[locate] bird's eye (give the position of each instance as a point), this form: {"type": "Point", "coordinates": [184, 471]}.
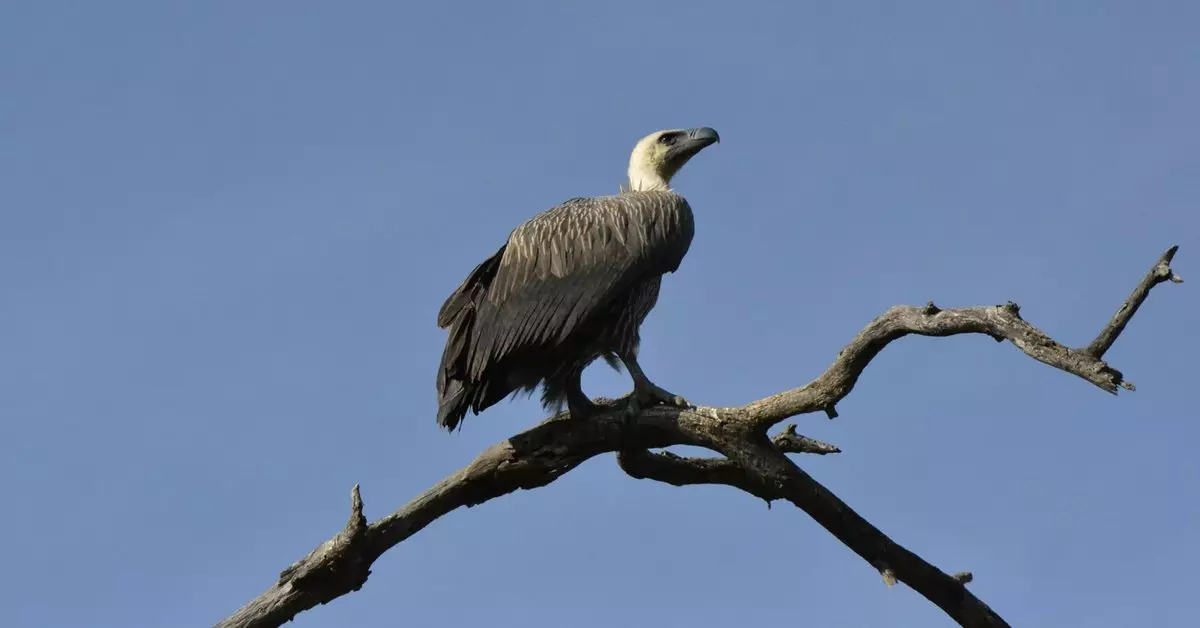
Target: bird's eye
{"type": "Point", "coordinates": [666, 139]}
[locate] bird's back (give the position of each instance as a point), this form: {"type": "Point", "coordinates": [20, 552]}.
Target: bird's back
{"type": "Point", "coordinates": [634, 231]}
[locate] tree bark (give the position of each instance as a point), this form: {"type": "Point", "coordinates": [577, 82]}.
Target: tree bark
{"type": "Point", "coordinates": [749, 460]}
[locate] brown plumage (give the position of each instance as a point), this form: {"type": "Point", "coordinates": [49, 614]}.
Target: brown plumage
{"type": "Point", "coordinates": [572, 284]}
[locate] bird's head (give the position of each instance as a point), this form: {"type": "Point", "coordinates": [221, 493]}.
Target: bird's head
{"type": "Point", "coordinates": [659, 156]}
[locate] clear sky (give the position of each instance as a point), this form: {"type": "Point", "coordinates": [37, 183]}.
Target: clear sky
{"type": "Point", "coordinates": [226, 229]}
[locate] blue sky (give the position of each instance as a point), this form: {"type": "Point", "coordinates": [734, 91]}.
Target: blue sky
{"type": "Point", "coordinates": [226, 229]}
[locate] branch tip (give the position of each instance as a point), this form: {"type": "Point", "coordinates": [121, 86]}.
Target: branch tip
{"type": "Point", "coordinates": [357, 520]}
{"type": "Point", "coordinates": [1160, 272]}
{"type": "Point", "coordinates": [831, 412]}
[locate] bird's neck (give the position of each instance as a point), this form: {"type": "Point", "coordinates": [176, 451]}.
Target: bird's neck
{"type": "Point", "coordinates": [646, 179]}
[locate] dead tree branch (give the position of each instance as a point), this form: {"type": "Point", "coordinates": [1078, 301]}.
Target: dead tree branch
{"type": "Point", "coordinates": [749, 460]}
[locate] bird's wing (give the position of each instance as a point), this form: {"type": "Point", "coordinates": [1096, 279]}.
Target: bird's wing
{"type": "Point", "coordinates": [565, 263]}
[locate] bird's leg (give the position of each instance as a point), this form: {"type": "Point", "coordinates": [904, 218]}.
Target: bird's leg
{"type": "Point", "coordinates": [645, 392]}
{"type": "Point", "coordinates": [578, 403]}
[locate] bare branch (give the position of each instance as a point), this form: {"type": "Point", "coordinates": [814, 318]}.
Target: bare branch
{"type": "Point", "coordinates": [770, 467]}
{"type": "Point", "coordinates": [759, 467]}
{"type": "Point", "coordinates": [752, 462]}
{"type": "Point", "coordinates": [1160, 272]}
{"type": "Point", "coordinates": [528, 460]}
{"type": "Point", "coordinates": [1002, 322]}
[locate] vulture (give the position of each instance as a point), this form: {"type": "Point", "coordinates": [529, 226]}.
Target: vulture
{"type": "Point", "coordinates": [570, 285]}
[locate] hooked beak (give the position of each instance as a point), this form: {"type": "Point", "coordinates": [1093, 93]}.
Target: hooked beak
{"type": "Point", "coordinates": [703, 136]}
{"type": "Point", "coordinates": [692, 142]}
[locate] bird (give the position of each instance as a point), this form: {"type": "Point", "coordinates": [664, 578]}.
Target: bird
{"type": "Point", "coordinates": [570, 285]}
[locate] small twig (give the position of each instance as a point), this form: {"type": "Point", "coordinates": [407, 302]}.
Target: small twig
{"type": "Point", "coordinates": [788, 441]}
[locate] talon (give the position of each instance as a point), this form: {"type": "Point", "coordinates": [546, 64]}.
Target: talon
{"type": "Point", "coordinates": [646, 392]}
{"type": "Point", "coordinates": [654, 395]}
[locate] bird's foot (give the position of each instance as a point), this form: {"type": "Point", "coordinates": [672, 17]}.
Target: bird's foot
{"type": "Point", "coordinates": [651, 394]}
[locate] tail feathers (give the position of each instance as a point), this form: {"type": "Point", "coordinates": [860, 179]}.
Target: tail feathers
{"type": "Point", "coordinates": [458, 392]}
{"type": "Point", "coordinates": [454, 394]}
{"type": "Point", "coordinates": [457, 395]}
{"type": "Point", "coordinates": [453, 404]}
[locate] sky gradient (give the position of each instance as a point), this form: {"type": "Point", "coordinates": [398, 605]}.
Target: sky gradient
{"type": "Point", "coordinates": [226, 229]}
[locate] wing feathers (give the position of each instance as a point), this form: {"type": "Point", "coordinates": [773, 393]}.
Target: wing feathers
{"type": "Point", "coordinates": [476, 282]}
{"type": "Point", "coordinates": [564, 265]}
